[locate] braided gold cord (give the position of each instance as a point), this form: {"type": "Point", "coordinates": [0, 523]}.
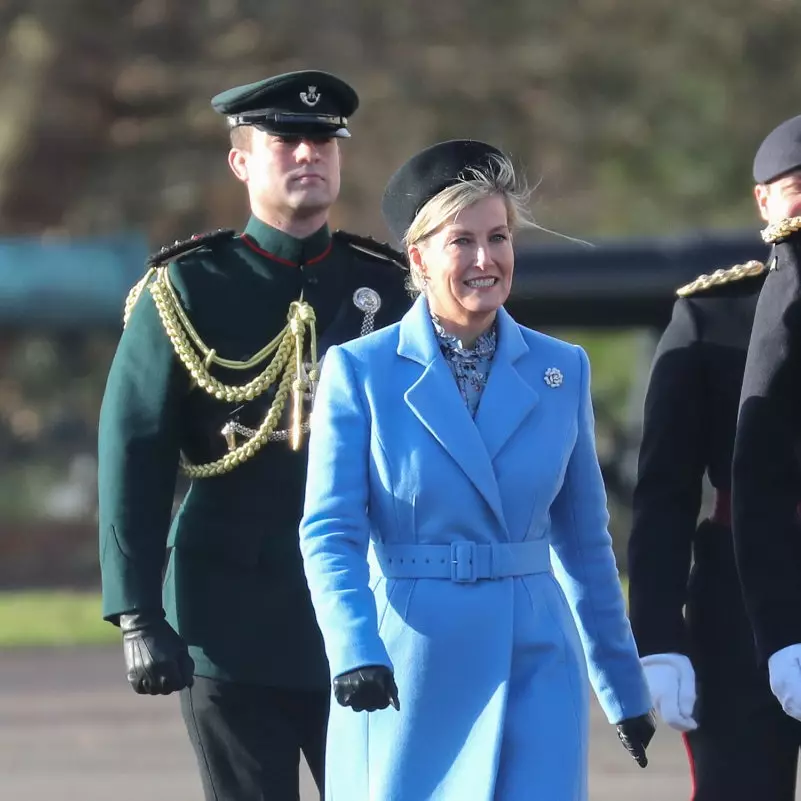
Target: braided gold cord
{"type": "Point", "coordinates": [134, 295]}
{"type": "Point", "coordinates": [286, 365]}
{"type": "Point", "coordinates": [719, 277]}
{"type": "Point", "coordinates": [248, 449]}
{"type": "Point", "coordinates": [211, 355]}
{"type": "Point", "coordinates": [781, 230]}
{"type": "Point", "coordinates": [200, 371]}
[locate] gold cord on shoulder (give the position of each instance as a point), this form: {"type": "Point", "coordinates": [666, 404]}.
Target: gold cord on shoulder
{"type": "Point", "coordinates": [720, 277]}
{"type": "Point", "coordinates": [781, 230]}
{"type": "Point", "coordinates": [285, 367]}
{"type": "Point", "coordinates": [134, 295]}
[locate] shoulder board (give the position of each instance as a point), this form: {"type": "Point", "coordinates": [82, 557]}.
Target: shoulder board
{"type": "Point", "coordinates": [372, 247]}
{"type": "Point", "coordinates": [180, 247]}
{"type": "Point", "coordinates": [782, 230]}
{"type": "Point", "coordinates": [721, 277]}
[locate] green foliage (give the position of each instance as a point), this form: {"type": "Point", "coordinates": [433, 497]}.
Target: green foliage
{"type": "Point", "coordinates": [634, 118]}
{"type": "Point", "coordinates": [53, 618]}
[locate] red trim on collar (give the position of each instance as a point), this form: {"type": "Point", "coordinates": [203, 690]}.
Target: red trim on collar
{"type": "Point", "coordinates": [254, 247]}
{"type": "Point", "coordinates": [323, 254]}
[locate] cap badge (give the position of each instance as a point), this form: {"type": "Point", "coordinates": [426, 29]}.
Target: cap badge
{"type": "Point", "coordinates": [312, 97]}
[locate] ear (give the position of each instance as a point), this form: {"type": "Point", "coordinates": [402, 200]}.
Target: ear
{"type": "Point", "coordinates": [761, 192]}
{"type": "Point", "coordinates": [416, 262]}
{"type": "Point", "coordinates": [237, 161]}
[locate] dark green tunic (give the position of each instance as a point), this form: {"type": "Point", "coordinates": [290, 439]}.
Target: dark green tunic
{"type": "Point", "coordinates": [234, 586]}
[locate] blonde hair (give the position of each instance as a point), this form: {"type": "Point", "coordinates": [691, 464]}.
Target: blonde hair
{"type": "Point", "coordinates": [474, 184]}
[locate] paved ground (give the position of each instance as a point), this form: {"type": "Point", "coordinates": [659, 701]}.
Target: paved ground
{"type": "Point", "coordinates": [71, 730]}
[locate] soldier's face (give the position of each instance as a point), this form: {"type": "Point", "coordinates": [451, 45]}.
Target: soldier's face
{"type": "Point", "coordinates": [779, 199]}
{"type": "Point", "coordinates": [289, 176]}
{"type": "Point", "coordinates": [468, 263]}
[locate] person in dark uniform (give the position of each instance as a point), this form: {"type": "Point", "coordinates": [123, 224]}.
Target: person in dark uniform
{"type": "Point", "coordinates": [766, 475]}
{"type": "Point", "coordinates": [686, 606]}
{"type": "Point", "coordinates": [214, 376]}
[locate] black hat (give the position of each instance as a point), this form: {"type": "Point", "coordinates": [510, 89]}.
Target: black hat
{"type": "Point", "coordinates": [296, 103]}
{"type": "Point", "coordinates": [427, 174]}
{"type": "Point", "coordinates": [780, 153]}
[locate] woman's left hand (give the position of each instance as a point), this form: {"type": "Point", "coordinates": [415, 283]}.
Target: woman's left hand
{"type": "Point", "coordinates": [367, 689]}
{"type": "Point", "coordinates": [635, 734]}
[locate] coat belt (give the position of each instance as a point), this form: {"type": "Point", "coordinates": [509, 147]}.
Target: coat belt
{"type": "Point", "coordinates": [463, 562]}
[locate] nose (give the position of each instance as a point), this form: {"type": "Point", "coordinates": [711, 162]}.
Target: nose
{"type": "Point", "coordinates": [306, 151]}
{"type": "Point", "coordinates": [483, 258]}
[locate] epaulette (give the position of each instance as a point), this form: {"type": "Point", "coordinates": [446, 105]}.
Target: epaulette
{"type": "Point", "coordinates": [178, 248]}
{"type": "Point", "coordinates": [372, 247]}
{"type": "Point", "coordinates": [182, 246]}
{"type": "Point", "coordinates": [720, 277]}
{"type": "Point", "coordinates": [781, 230]}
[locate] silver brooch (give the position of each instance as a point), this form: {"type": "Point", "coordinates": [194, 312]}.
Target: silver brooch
{"type": "Point", "coordinates": [553, 377]}
{"type": "Point", "coordinates": [368, 301]}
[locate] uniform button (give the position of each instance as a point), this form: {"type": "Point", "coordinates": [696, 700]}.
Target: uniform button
{"type": "Point", "coordinates": [311, 280]}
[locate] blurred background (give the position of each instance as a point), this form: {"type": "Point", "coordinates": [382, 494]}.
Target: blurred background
{"type": "Point", "coordinates": [636, 122]}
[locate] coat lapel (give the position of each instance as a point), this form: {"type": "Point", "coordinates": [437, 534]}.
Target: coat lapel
{"type": "Point", "coordinates": [507, 398]}
{"type": "Point", "coordinates": [435, 400]}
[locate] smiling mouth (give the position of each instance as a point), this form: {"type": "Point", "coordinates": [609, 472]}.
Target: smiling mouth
{"type": "Point", "coordinates": [481, 283]}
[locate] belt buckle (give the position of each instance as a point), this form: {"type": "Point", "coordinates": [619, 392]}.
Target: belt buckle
{"type": "Point", "coordinates": [463, 562]}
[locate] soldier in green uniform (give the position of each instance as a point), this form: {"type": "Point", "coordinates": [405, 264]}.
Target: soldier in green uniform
{"type": "Point", "coordinates": [213, 376]}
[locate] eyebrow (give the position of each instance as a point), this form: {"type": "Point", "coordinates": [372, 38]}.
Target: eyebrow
{"type": "Point", "coordinates": [461, 230]}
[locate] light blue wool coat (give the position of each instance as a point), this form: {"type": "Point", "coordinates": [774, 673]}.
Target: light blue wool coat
{"type": "Point", "coordinates": [491, 672]}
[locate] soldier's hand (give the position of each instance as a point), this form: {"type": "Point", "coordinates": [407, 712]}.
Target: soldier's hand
{"type": "Point", "coordinates": [671, 681]}
{"type": "Point", "coordinates": [367, 689]}
{"type": "Point", "coordinates": [635, 734]}
{"type": "Point", "coordinates": [157, 661]}
{"type": "Point", "coordinates": [784, 668]}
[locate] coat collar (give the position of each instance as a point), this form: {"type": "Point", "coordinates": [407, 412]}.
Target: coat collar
{"type": "Point", "coordinates": [418, 341]}
{"type": "Point", "coordinates": [435, 400]}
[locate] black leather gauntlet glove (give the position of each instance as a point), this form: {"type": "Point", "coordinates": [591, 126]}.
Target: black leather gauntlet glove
{"type": "Point", "coordinates": [635, 734]}
{"type": "Point", "coordinates": [157, 661]}
{"type": "Point", "coordinates": [367, 689]}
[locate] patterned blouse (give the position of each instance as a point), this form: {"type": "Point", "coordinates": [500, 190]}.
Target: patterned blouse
{"type": "Point", "coordinates": [470, 366]}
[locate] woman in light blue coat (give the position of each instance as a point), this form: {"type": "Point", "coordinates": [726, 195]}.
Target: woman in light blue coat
{"type": "Point", "coordinates": [455, 529]}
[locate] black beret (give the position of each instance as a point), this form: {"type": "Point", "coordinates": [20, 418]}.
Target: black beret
{"type": "Point", "coordinates": [779, 153]}
{"type": "Point", "coordinates": [429, 172]}
{"type": "Point", "coordinates": [307, 102]}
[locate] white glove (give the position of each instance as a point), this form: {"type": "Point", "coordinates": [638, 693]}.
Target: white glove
{"type": "Point", "coordinates": [784, 668]}
{"type": "Point", "coordinates": [671, 680]}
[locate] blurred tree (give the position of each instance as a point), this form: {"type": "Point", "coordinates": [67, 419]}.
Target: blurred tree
{"type": "Point", "coordinates": [629, 118]}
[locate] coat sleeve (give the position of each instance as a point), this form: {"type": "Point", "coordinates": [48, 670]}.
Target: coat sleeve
{"type": "Point", "coordinates": [585, 567]}
{"type": "Point", "coordinates": [138, 454]}
{"type": "Point", "coordinates": [667, 498]}
{"type": "Point", "coordinates": [766, 485]}
{"type": "Point", "coordinates": [335, 530]}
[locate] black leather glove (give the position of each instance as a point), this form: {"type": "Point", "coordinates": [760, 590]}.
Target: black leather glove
{"type": "Point", "coordinates": [157, 661]}
{"type": "Point", "coordinates": [367, 689]}
{"type": "Point", "coordinates": [635, 734]}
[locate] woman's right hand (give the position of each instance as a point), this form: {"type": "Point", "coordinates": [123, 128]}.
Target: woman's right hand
{"type": "Point", "coordinates": [367, 689]}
